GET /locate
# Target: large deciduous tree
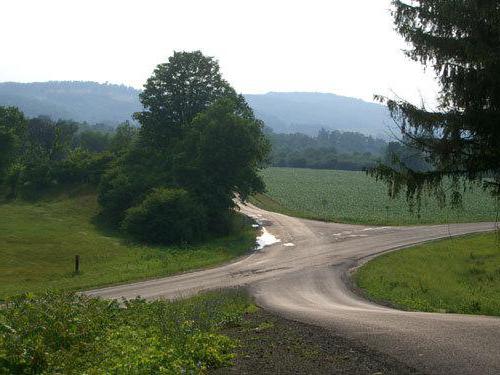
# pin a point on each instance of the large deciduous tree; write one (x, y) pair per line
(177, 91)
(460, 41)
(219, 157)
(198, 138)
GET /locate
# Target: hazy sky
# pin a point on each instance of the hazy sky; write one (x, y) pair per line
(341, 46)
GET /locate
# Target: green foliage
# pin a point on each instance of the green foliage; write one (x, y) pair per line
(82, 167)
(93, 141)
(130, 177)
(197, 135)
(44, 153)
(166, 216)
(46, 140)
(12, 129)
(354, 197)
(68, 333)
(399, 156)
(177, 91)
(327, 150)
(220, 157)
(49, 153)
(460, 275)
(461, 139)
(39, 240)
(125, 135)
(31, 178)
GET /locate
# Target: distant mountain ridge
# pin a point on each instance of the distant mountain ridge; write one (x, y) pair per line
(308, 112)
(76, 100)
(286, 112)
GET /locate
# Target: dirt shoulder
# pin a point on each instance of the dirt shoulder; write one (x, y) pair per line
(270, 344)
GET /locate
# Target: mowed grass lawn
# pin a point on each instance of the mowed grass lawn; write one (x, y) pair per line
(459, 275)
(38, 242)
(355, 197)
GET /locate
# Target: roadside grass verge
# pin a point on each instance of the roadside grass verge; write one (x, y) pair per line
(39, 240)
(458, 275)
(356, 198)
(67, 333)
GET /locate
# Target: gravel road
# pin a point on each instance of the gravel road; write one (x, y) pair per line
(305, 277)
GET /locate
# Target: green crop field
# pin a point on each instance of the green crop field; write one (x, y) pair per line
(38, 242)
(354, 197)
(458, 275)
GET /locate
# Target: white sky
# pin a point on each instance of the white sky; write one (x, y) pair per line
(347, 47)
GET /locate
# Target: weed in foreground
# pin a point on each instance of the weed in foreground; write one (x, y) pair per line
(73, 333)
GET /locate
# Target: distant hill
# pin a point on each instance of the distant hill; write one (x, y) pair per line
(80, 101)
(112, 104)
(305, 112)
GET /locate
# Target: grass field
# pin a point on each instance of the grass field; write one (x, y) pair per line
(354, 197)
(38, 242)
(459, 275)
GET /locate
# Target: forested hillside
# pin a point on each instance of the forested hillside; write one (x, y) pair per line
(308, 112)
(80, 101)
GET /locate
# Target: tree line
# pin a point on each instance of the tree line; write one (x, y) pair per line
(328, 150)
(38, 153)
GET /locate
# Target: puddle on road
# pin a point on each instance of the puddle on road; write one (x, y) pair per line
(266, 239)
(289, 244)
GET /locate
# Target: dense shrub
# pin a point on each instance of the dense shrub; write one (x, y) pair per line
(70, 333)
(166, 216)
(81, 167)
(128, 179)
(30, 177)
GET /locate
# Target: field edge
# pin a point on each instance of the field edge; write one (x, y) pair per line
(352, 277)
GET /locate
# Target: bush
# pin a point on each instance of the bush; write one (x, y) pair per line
(117, 193)
(32, 178)
(81, 167)
(66, 333)
(166, 216)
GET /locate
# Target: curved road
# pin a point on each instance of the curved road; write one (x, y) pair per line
(305, 277)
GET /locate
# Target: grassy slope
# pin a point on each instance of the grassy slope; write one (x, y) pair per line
(460, 275)
(38, 242)
(354, 197)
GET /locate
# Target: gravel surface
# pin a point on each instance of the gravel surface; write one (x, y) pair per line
(270, 344)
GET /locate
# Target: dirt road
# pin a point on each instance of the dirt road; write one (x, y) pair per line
(305, 277)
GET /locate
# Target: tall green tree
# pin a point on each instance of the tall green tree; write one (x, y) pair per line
(123, 138)
(177, 91)
(12, 132)
(198, 138)
(219, 158)
(460, 41)
(48, 140)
